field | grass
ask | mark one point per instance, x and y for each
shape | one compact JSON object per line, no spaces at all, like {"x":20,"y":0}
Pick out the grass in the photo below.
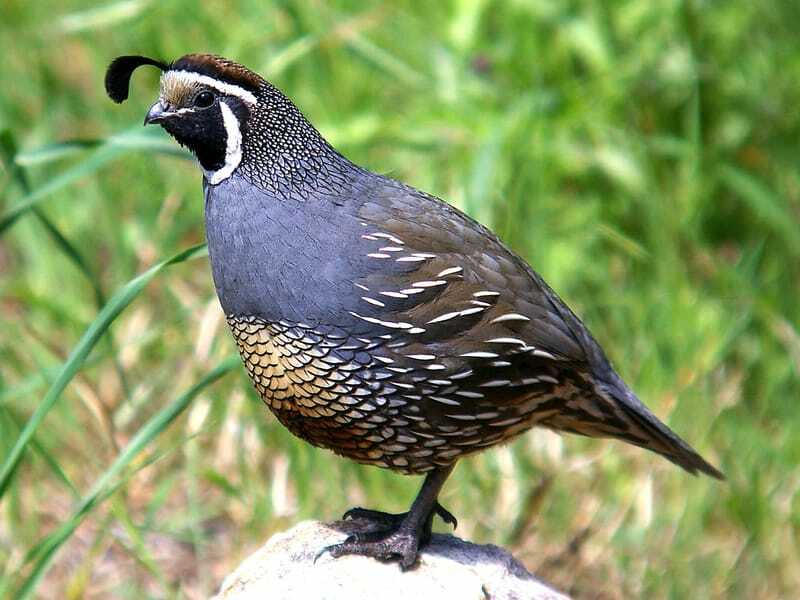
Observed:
{"x":641,"y":155}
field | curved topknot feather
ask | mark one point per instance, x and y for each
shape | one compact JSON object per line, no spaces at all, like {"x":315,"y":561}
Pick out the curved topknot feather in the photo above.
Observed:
{"x":118,"y":75}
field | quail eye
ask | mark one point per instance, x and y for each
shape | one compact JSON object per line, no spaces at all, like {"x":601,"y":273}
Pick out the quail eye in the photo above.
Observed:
{"x":204,"y":99}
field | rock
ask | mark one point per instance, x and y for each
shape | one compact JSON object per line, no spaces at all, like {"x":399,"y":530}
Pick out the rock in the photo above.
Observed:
{"x":449,"y":567}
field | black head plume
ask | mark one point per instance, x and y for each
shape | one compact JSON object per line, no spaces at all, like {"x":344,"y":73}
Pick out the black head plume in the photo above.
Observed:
{"x":118,"y":75}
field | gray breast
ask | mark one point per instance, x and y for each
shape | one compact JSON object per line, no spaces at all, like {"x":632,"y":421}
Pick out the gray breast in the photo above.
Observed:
{"x":287,"y":258}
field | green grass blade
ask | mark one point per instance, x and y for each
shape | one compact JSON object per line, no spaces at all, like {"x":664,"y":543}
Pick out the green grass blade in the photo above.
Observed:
{"x":764,"y":203}
{"x":104,"y":486}
{"x":9,"y":150}
{"x":72,"y":365}
{"x":113,"y":147}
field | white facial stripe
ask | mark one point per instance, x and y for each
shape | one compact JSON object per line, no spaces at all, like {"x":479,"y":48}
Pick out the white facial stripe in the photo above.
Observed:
{"x":233,"y":146}
{"x":228,"y":89}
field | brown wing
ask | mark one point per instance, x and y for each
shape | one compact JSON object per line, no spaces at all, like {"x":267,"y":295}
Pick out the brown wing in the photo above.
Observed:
{"x":442,"y":272}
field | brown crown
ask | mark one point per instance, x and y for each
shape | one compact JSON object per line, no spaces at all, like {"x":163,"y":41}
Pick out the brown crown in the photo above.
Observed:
{"x":219,"y":68}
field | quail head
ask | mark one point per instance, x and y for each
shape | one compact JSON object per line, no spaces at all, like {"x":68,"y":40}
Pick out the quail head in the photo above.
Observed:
{"x":374,"y":319}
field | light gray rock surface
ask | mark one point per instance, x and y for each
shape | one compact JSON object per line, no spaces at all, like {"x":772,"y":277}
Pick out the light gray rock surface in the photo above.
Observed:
{"x":449,"y":567}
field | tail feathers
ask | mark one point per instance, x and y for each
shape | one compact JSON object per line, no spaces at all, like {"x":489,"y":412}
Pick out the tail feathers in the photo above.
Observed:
{"x":647,"y":431}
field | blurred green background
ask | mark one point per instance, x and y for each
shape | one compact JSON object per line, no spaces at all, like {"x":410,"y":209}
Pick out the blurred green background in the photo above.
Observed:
{"x":642,"y":155}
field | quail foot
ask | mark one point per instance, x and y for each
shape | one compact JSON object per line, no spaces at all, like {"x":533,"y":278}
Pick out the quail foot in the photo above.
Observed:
{"x":376,"y":320}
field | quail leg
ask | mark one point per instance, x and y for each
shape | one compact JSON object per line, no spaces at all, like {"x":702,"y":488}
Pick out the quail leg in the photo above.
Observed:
{"x":402,"y":535}
{"x":384,"y":520}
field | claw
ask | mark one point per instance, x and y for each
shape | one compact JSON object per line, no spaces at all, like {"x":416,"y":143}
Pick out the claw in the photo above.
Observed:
{"x":321,"y":552}
{"x":446,"y":515}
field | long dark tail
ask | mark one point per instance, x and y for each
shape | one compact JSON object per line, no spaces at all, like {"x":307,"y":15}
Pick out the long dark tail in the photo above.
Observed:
{"x":643,"y":428}
{"x":614,"y":411}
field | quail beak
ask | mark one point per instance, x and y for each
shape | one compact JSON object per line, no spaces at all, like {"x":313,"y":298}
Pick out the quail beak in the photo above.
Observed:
{"x":156,"y":114}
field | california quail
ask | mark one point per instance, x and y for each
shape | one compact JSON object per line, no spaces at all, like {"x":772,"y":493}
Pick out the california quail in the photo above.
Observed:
{"x":376,"y":320}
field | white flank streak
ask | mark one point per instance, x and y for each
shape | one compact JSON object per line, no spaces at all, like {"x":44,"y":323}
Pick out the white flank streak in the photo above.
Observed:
{"x":416,"y":330}
{"x":472,"y":311}
{"x":444,"y":400}
{"x":233,"y":146}
{"x":378,"y":255}
{"x":410,"y":259}
{"x":389,"y":236}
{"x":506,"y":422}
{"x":444,"y":317}
{"x":496,"y":383}
{"x":363,"y":287}
{"x":450,"y":271}
{"x":427,"y":284}
{"x":391,"y":249}
{"x":226,"y":88}
{"x":394,"y":294}
{"x":421,"y":356}
{"x":390,"y":324}
{"x":480,"y":355}
{"x":506,"y":340}
{"x":373,"y":301}
{"x":467,"y":394}
{"x":462,"y":375}
{"x":510,"y":317}
{"x":485,"y":293}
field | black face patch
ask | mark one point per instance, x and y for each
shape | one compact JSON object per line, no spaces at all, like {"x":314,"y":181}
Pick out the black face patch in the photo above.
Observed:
{"x":202,"y":132}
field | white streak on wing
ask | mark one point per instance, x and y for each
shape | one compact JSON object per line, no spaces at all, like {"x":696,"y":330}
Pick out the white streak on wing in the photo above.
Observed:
{"x":485,"y":293}
{"x":444,"y":317}
{"x":510,"y":317}
{"x":390,"y":237}
{"x":501,"y":363}
{"x":373,"y":301}
{"x":410,"y":259}
{"x":390,"y":324}
{"x":450,"y":271}
{"x":496,"y":383}
{"x":442,"y":400}
{"x":480,"y":355}
{"x":506,"y":340}
{"x":480,"y":303}
{"x":462,"y":375}
{"x":394,"y":294}
{"x":427,"y":284}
